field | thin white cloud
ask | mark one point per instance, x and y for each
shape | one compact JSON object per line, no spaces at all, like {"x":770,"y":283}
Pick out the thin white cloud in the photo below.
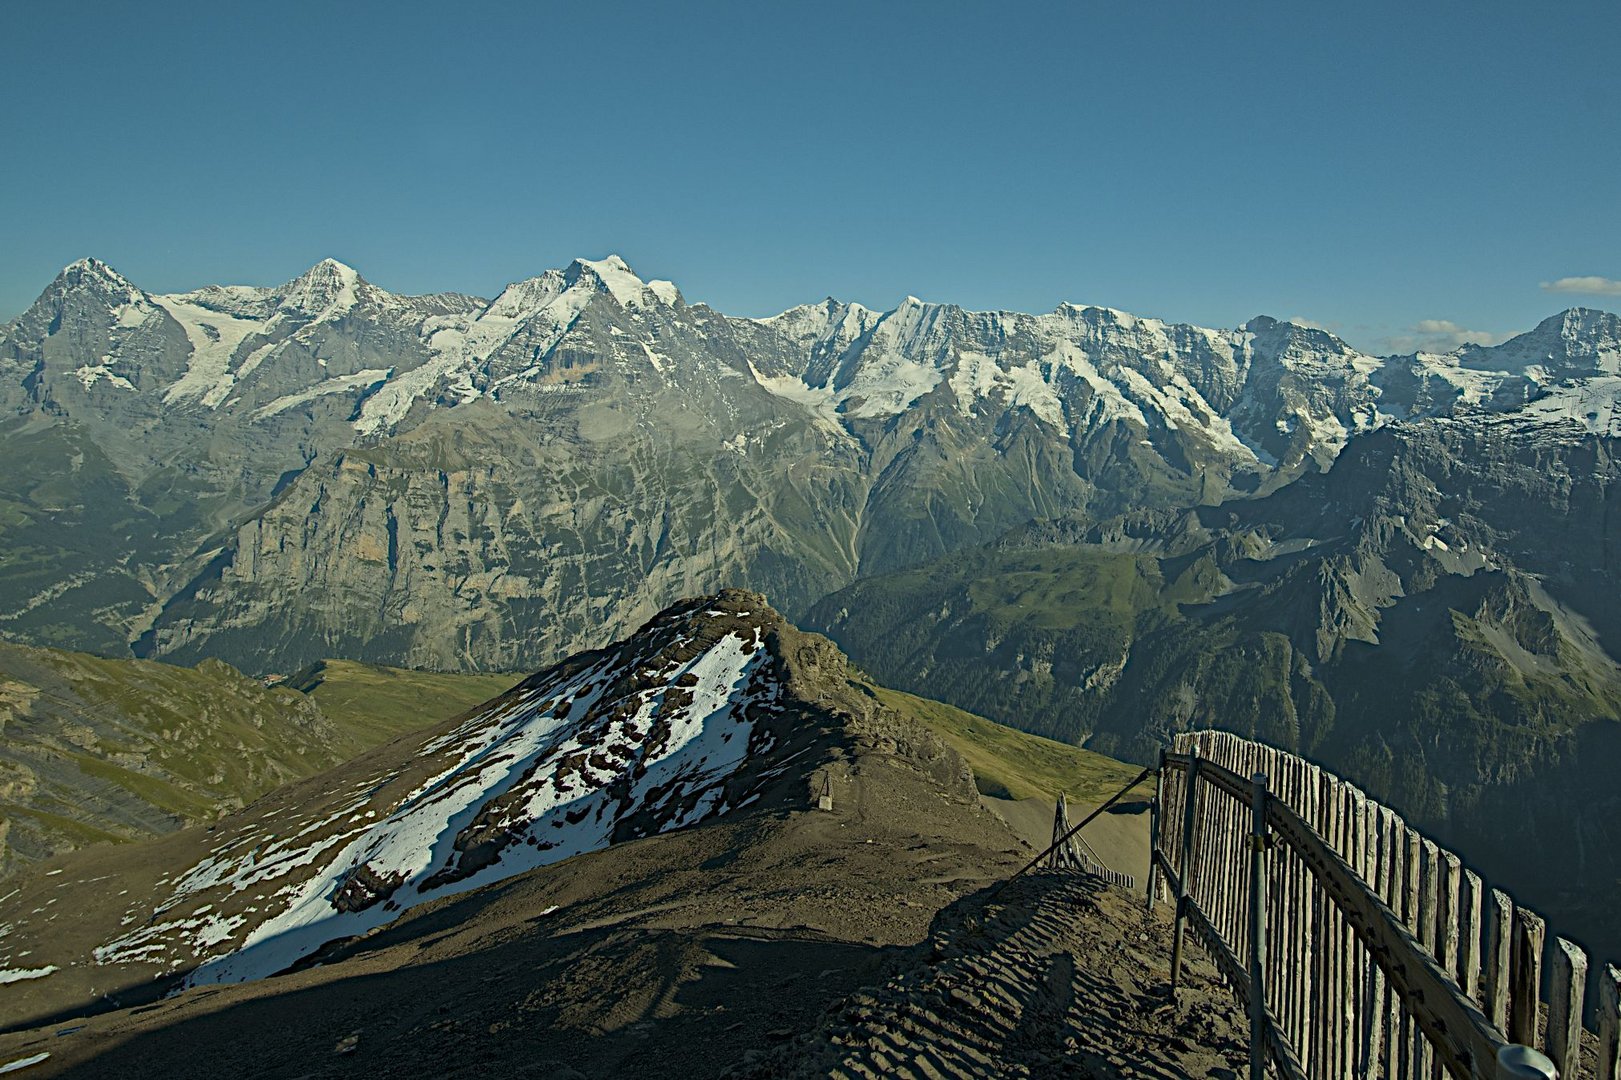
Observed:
{"x":1313,"y":324}
{"x":1438,"y":336}
{"x":1591,"y":285}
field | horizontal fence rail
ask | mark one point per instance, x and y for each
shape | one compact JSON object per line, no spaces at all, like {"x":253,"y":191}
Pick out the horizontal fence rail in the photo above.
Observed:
{"x":1377,"y":953}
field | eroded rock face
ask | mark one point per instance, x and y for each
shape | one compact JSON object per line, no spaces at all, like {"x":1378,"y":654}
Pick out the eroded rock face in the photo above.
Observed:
{"x":324,"y":467}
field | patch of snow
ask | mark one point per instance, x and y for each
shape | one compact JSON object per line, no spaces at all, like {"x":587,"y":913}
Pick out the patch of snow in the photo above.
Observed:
{"x":821,"y":401}
{"x":23,"y":1063}
{"x":974,"y":378}
{"x":11,"y":975}
{"x":134,"y":314}
{"x":88,"y":376}
{"x":214,"y":339}
{"x":1028,"y":386}
{"x":538,"y":767}
{"x":369,"y":377}
{"x":623,"y":284}
{"x":1112,"y":403}
{"x":1594,"y":404}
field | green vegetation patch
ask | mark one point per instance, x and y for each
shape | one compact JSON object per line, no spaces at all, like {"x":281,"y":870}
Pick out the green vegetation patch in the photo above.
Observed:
{"x":370,"y":705}
{"x":1011,"y":764}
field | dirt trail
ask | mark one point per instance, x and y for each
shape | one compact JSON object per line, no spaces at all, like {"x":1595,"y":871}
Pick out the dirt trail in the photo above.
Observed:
{"x":1060,"y":976}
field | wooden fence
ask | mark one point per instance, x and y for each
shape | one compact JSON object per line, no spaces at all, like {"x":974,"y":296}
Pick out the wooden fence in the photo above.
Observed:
{"x":1072,"y":852}
{"x":1379,"y":954}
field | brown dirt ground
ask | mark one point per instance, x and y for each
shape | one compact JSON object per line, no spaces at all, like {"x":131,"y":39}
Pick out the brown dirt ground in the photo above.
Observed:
{"x":698,"y":952}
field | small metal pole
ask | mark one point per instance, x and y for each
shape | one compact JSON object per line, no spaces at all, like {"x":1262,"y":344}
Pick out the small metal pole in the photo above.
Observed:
{"x":1153,"y":831}
{"x":1184,"y":884}
{"x":1524,"y":1063}
{"x":1258,"y":887}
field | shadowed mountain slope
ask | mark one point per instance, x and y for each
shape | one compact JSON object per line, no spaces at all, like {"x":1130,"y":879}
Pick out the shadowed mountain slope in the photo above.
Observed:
{"x":1431,"y":618}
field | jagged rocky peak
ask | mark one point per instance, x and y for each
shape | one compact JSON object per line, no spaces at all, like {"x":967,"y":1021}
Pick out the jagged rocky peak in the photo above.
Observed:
{"x":87,"y":278}
{"x":327,"y":288}
{"x":1576,"y":342}
{"x":93,"y":273}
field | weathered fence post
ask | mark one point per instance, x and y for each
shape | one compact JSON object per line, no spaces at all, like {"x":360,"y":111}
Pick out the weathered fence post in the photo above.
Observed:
{"x":1059,"y":856}
{"x":1565,"y":1006}
{"x":1525,"y":977}
{"x":1609,"y":1023}
{"x":1499,"y":959}
{"x":1258,"y":886}
{"x":1154,"y":812}
{"x":1472,"y":943}
{"x":1190,"y":801}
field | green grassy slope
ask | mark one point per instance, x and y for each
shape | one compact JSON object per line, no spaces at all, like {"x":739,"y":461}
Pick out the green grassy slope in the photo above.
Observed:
{"x":1011,"y":764}
{"x":371,"y":704}
{"x":93,"y":749}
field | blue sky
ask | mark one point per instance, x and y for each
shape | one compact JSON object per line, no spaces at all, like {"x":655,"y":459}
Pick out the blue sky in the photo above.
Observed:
{"x":1393,"y":172}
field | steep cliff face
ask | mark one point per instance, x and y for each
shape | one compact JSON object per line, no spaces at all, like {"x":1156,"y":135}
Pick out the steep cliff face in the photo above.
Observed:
{"x":1432,"y":618}
{"x":330,"y":468}
{"x":472,"y":543}
{"x":276,"y":474}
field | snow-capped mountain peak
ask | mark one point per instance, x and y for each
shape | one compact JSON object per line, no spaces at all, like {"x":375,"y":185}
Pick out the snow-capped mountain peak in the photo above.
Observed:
{"x":614,"y":276}
{"x":97,"y":277}
{"x":1575,"y":342}
{"x":326,"y":289}
{"x":693,"y":717}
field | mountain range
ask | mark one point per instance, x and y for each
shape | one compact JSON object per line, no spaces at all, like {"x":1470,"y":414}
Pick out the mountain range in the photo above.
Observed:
{"x":274,"y":475}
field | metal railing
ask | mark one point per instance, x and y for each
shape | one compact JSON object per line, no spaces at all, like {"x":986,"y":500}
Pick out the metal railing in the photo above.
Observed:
{"x":1361,"y":948}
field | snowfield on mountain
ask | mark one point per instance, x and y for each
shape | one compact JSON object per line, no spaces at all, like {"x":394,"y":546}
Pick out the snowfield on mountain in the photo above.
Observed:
{"x":657,"y":733}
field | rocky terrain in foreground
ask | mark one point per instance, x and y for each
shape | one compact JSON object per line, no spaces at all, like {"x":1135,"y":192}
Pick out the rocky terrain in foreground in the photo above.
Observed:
{"x":723,"y":943}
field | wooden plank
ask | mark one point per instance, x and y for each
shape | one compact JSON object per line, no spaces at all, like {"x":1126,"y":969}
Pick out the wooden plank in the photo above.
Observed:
{"x":1525,"y":977}
{"x":1458,"y":1029}
{"x":1429,"y":889}
{"x":1317,"y":1025}
{"x":1299,"y":917}
{"x":1470,"y":942}
{"x":1329,"y":809}
{"x":1451,"y":898}
{"x":1293,"y":936}
{"x":1346,"y":990}
{"x":1368,"y":980}
{"x":1388,"y":888}
{"x":1609,"y":1023}
{"x":1565,"y":1000}
{"x":1499,"y":958}
{"x":1156,"y":814}
{"x":1396,"y":861}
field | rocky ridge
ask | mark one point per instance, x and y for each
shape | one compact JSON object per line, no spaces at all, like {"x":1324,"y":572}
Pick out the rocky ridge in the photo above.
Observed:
{"x":716,"y":708}
{"x":327,"y":468}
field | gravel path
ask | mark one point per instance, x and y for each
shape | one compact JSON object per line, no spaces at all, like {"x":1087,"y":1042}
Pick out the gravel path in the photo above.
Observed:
{"x":1059,"y":976}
